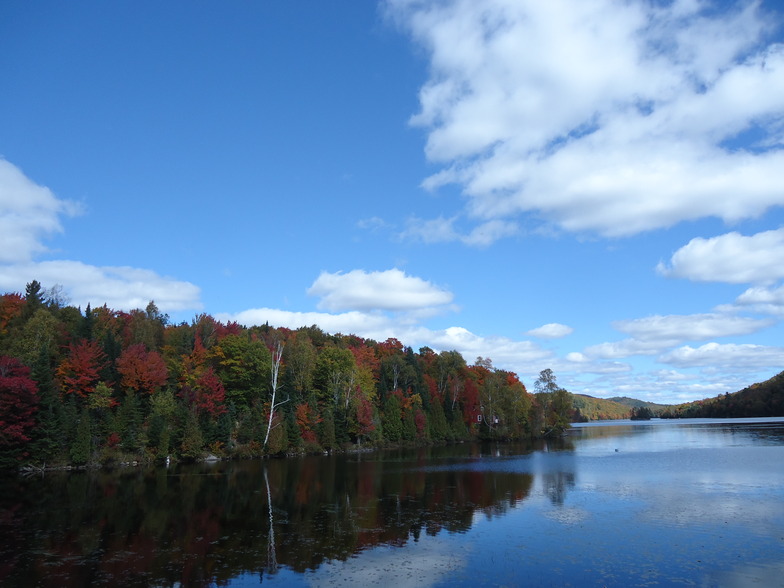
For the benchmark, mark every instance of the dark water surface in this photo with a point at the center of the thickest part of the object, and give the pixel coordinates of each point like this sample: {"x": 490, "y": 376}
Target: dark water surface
{"x": 659, "y": 503}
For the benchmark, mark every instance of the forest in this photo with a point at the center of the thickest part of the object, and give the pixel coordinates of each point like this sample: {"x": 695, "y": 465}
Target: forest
{"x": 763, "y": 399}
{"x": 102, "y": 386}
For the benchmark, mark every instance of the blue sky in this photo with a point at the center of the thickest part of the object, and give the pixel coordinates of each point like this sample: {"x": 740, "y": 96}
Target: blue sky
{"x": 590, "y": 186}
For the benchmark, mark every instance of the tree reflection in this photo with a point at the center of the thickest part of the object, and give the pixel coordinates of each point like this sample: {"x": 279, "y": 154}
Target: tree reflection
{"x": 204, "y": 524}
{"x": 272, "y": 556}
{"x": 556, "y": 485}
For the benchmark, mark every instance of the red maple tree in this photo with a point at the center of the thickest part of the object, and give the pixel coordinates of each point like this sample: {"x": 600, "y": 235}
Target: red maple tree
{"x": 80, "y": 371}
{"x": 141, "y": 370}
{"x": 18, "y": 402}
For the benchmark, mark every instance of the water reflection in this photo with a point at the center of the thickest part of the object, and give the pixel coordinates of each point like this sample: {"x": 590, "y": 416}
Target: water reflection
{"x": 202, "y": 524}
{"x": 669, "y": 497}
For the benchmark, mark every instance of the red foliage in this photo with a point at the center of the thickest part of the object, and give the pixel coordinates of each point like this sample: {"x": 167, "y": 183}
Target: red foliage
{"x": 307, "y": 419}
{"x": 389, "y": 347}
{"x": 421, "y": 423}
{"x": 231, "y": 328}
{"x": 210, "y": 393}
{"x": 513, "y": 380}
{"x": 11, "y": 306}
{"x": 432, "y": 388}
{"x": 470, "y": 401}
{"x": 18, "y": 401}
{"x": 80, "y": 371}
{"x": 141, "y": 370}
{"x": 366, "y": 357}
{"x": 365, "y": 424}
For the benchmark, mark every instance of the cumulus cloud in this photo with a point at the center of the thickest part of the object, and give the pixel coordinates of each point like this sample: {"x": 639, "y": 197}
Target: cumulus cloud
{"x": 505, "y": 352}
{"x": 391, "y": 290}
{"x": 122, "y": 288}
{"x": 373, "y": 326}
{"x": 28, "y": 214}
{"x": 655, "y": 334}
{"x": 731, "y": 258}
{"x": 763, "y": 299}
{"x": 714, "y": 354}
{"x": 551, "y": 331}
{"x": 600, "y": 115}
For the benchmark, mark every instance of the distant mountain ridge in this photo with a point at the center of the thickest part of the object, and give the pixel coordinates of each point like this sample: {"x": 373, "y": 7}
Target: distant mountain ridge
{"x": 589, "y": 408}
{"x": 757, "y": 400}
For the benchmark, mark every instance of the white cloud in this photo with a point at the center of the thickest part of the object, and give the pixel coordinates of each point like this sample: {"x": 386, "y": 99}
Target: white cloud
{"x": 437, "y": 230}
{"x": 443, "y": 230}
{"x": 388, "y": 290}
{"x": 121, "y": 288}
{"x": 625, "y": 348}
{"x": 600, "y": 115}
{"x": 667, "y": 387}
{"x": 505, "y": 353}
{"x": 745, "y": 356}
{"x": 488, "y": 232}
{"x": 764, "y": 300}
{"x": 28, "y": 214}
{"x": 551, "y": 331}
{"x": 655, "y": 334}
{"x": 373, "y": 326}
{"x": 731, "y": 258}
{"x": 690, "y": 327}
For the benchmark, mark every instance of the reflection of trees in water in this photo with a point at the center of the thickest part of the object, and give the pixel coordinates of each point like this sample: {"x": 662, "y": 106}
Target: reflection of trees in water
{"x": 556, "y": 484}
{"x": 272, "y": 556}
{"x": 200, "y": 524}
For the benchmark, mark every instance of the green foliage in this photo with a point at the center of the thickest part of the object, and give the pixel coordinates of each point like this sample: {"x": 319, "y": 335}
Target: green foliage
{"x": 334, "y": 368}
{"x": 47, "y": 437}
{"x": 439, "y": 430}
{"x": 192, "y": 445}
{"x": 589, "y": 408}
{"x": 641, "y": 413}
{"x": 391, "y": 419}
{"x": 555, "y": 405}
{"x": 243, "y": 365}
{"x": 327, "y": 430}
{"x": 82, "y": 446}
{"x": 129, "y": 423}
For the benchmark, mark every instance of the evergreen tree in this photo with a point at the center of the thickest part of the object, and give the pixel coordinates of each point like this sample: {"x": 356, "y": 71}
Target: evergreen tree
{"x": 82, "y": 446}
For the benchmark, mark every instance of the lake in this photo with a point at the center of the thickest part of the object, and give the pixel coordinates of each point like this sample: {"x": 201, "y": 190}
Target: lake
{"x": 621, "y": 503}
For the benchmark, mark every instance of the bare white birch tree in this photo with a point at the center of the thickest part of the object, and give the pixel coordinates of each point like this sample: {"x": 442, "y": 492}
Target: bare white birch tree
{"x": 277, "y": 355}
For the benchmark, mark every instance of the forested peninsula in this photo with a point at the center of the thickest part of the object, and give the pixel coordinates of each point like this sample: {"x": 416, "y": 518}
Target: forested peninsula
{"x": 103, "y": 387}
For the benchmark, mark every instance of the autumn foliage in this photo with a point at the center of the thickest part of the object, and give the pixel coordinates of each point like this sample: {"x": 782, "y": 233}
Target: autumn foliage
{"x": 18, "y": 404}
{"x": 103, "y": 385}
{"x": 141, "y": 370}
{"x": 79, "y": 372}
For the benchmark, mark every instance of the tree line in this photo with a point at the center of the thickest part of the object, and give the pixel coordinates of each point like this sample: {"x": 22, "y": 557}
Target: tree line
{"x": 763, "y": 399}
{"x": 106, "y": 386}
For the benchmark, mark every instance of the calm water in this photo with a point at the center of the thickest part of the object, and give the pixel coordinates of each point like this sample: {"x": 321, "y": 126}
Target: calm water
{"x": 660, "y": 503}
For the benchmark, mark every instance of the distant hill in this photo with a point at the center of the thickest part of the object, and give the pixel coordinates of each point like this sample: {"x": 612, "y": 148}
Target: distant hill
{"x": 588, "y": 408}
{"x": 634, "y": 403}
{"x": 758, "y": 400}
